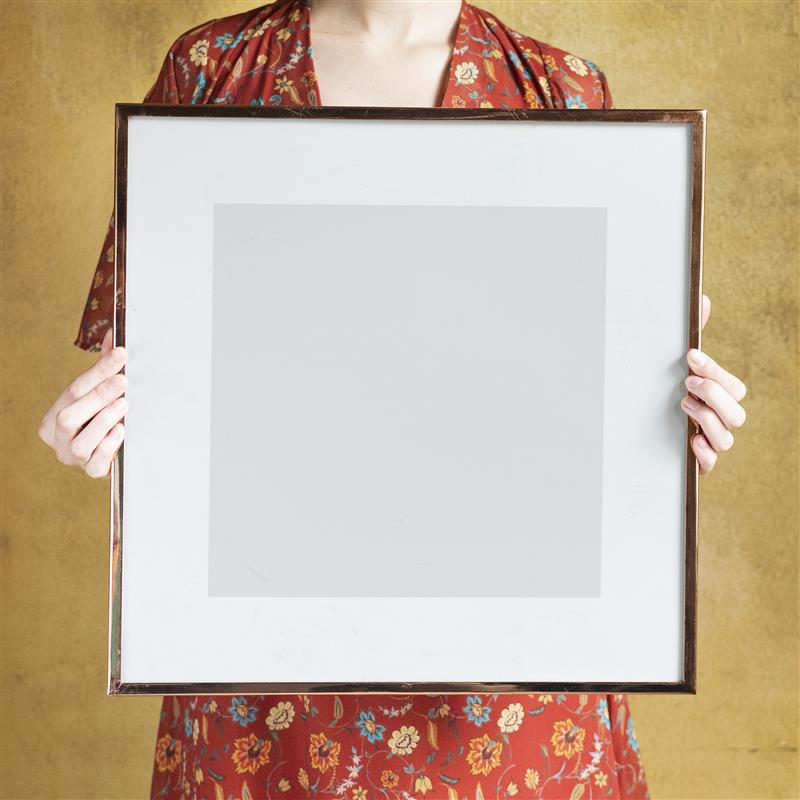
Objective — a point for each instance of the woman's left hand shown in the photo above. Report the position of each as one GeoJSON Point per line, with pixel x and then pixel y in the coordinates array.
{"type": "Point", "coordinates": [713, 403]}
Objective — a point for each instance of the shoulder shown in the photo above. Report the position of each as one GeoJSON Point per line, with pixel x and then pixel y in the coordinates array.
{"type": "Point", "coordinates": [221, 34]}
{"type": "Point", "coordinates": [570, 80]}
{"type": "Point", "coordinates": [206, 58]}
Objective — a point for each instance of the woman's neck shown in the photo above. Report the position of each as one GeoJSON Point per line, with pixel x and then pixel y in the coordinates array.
{"type": "Point", "coordinates": [399, 23]}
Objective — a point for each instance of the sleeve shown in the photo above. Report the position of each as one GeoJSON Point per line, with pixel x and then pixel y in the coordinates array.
{"type": "Point", "coordinates": [628, 755]}
{"type": "Point", "coordinates": [608, 101]}
{"type": "Point", "coordinates": [98, 312]}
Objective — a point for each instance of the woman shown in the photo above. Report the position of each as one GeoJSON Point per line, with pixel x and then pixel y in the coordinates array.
{"type": "Point", "coordinates": [374, 52]}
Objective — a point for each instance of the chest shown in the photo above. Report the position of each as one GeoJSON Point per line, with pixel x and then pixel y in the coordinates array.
{"type": "Point", "coordinates": [356, 74]}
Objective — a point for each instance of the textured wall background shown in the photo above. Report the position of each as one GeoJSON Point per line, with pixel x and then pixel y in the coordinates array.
{"type": "Point", "coordinates": [65, 64]}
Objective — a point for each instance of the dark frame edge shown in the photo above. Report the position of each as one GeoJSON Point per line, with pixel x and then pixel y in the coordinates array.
{"type": "Point", "coordinates": [695, 117]}
{"type": "Point", "coordinates": [117, 467]}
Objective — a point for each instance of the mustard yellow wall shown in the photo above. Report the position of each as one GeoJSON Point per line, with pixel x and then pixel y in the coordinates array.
{"type": "Point", "coordinates": [65, 64]}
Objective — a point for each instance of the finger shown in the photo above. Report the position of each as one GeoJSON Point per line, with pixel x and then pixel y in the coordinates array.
{"type": "Point", "coordinates": [717, 435]}
{"type": "Point", "coordinates": [730, 412]}
{"type": "Point", "coordinates": [704, 453]}
{"type": "Point", "coordinates": [71, 419]}
{"type": "Point", "coordinates": [85, 443]}
{"type": "Point", "coordinates": [705, 311]}
{"type": "Point", "coordinates": [107, 365]}
{"type": "Point", "coordinates": [705, 366]}
{"type": "Point", "coordinates": [99, 465]}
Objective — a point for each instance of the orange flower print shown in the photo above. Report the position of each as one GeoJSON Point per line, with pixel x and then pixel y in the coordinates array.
{"type": "Point", "coordinates": [457, 102]}
{"type": "Point", "coordinates": [484, 754]}
{"type": "Point", "coordinates": [567, 738]}
{"type": "Point", "coordinates": [324, 752]}
{"type": "Point", "coordinates": [309, 78]}
{"type": "Point", "coordinates": [549, 62]}
{"type": "Point", "coordinates": [250, 753]}
{"type": "Point", "coordinates": [389, 779]}
{"type": "Point", "coordinates": [531, 98]}
{"type": "Point", "coordinates": [168, 753]}
{"type": "Point", "coordinates": [302, 778]}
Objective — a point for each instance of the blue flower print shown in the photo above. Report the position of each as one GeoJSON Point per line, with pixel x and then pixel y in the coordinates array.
{"type": "Point", "coordinates": [241, 712]}
{"type": "Point", "coordinates": [575, 101]}
{"type": "Point", "coordinates": [631, 736]}
{"type": "Point", "coordinates": [198, 89]}
{"type": "Point", "coordinates": [476, 711]}
{"type": "Point", "coordinates": [601, 709]}
{"type": "Point", "coordinates": [227, 40]}
{"type": "Point", "coordinates": [188, 726]}
{"type": "Point", "coordinates": [369, 728]}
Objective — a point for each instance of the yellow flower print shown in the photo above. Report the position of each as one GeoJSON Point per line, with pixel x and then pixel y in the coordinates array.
{"type": "Point", "coordinates": [258, 30]}
{"type": "Point", "coordinates": [198, 775]}
{"type": "Point", "coordinates": [544, 699]}
{"type": "Point", "coordinates": [600, 779]}
{"type": "Point", "coordinates": [404, 740]}
{"type": "Point", "coordinates": [423, 784]}
{"type": "Point", "coordinates": [284, 784]}
{"type": "Point", "coordinates": [280, 716]}
{"type": "Point", "coordinates": [457, 102]}
{"type": "Point", "coordinates": [486, 104]}
{"type": "Point", "coordinates": [531, 98]}
{"type": "Point", "coordinates": [549, 62]}
{"type": "Point", "coordinates": [250, 753]}
{"type": "Point", "coordinates": [531, 778]}
{"type": "Point", "coordinates": [466, 73]}
{"type": "Point", "coordinates": [261, 59]}
{"type": "Point", "coordinates": [302, 778]}
{"type": "Point", "coordinates": [545, 84]}
{"type": "Point", "coordinates": [359, 793]}
{"type": "Point", "coordinates": [198, 53]}
{"type": "Point", "coordinates": [212, 707]}
{"type": "Point", "coordinates": [567, 738]}
{"type": "Point", "coordinates": [168, 753]}
{"type": "Point", "coordinates": [283, 85]}
{"type": "Point", "coordinates": [324, 752]}
{"type": "Point", "coordinates": [511, 789]}
{"type": "Point", "coordinates": [511, 718]}
{"type": "Point", "coordinates": [389, 779]}
{"type": "Point", "coordinates": [283, 34]}
{"type": "Point", "coordinates": [195, 730]}
{"type": "Point", "coordinates": [575, 64]}
{"type": "Point", "coordinates": [484, 754]}
{"type": "Point", "coordinates": [442, 709]}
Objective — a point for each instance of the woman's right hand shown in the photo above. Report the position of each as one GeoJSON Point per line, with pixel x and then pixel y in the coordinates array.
{"type": "Point", "coordinates": [83, 426]}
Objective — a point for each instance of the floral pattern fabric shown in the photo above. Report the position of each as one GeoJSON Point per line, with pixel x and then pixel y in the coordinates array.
{"type": "Point", "coordinates": [394, 747]}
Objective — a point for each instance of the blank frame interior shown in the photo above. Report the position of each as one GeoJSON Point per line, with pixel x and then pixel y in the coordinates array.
{"type": "Point", "coordinates": [407, 391]}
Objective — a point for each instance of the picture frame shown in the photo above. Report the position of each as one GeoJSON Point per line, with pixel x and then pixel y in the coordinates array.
{"type": "Point", "coordinates": [404, 400]}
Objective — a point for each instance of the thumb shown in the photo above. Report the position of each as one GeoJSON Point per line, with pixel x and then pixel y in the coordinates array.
{"type": "Point", "coordinates": [106, 344]}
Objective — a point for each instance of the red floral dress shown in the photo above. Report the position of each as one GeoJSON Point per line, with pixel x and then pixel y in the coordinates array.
{"type": "Point", "coordinates": [395, 747]}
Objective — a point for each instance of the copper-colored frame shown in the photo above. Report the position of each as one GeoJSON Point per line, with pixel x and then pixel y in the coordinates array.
{"type": "Point", "coordinates": [695, 118]}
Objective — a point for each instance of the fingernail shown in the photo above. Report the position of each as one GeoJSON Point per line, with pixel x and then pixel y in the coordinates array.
{"type": "Point", "coordinates": [690, 403]}
{"type": "Point", "coordinates": [693, 382]}
{"type": "Point", "coordinates": [697, 358]}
